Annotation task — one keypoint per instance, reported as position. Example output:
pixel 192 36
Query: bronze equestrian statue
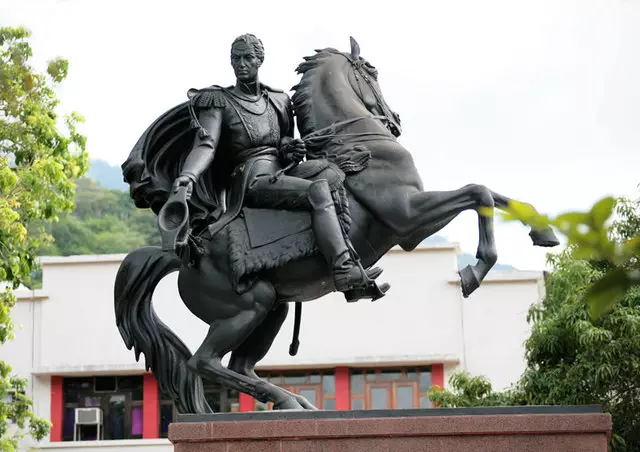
pixel 251 224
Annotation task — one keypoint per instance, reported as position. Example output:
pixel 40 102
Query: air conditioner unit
pixel 88 416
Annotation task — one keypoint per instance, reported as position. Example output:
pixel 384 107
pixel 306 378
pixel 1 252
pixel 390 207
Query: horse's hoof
pixel 468 280
pixel 288 404
pixel 306 405
pixel 544 237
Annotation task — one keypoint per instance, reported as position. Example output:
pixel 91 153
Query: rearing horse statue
pixel 242 278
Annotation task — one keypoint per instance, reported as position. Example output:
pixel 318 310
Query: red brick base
pixel 583 432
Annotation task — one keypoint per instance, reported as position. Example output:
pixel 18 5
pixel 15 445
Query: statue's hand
pixel 183 181
pixel 299 150
pixel 294 150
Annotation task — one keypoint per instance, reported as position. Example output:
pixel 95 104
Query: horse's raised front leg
pixel 255 347
pixel 226 335
pixel 419 215
pixel 540 237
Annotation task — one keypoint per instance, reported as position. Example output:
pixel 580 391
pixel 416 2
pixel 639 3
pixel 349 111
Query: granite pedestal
pixel 499 429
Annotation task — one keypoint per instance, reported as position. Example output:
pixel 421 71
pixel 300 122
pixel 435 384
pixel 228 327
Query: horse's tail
pixel 141 329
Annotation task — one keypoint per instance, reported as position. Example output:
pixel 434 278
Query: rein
pixel 321 133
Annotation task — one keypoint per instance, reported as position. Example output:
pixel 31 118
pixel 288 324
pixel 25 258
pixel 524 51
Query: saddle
pixel 264 239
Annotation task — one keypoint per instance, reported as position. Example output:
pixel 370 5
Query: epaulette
pixel 273 90
pixel 211 96
pixel 281 95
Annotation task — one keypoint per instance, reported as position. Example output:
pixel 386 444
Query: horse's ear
pixel 355 49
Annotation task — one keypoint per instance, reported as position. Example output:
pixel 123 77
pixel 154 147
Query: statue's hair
pixel 254 42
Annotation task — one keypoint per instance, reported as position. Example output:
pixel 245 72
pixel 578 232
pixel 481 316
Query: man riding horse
pixel 238 140
pixel 248 128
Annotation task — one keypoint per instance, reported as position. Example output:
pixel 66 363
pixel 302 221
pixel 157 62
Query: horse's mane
pixel 302 98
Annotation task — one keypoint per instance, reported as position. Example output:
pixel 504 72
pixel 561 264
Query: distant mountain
pixel 106 175
pixel 111 177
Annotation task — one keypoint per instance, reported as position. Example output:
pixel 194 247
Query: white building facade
pixel 364 355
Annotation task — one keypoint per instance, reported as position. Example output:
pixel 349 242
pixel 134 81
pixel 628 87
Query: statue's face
pixel 245 63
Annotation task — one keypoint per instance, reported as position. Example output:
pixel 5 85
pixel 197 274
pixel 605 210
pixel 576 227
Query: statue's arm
pixel 205 144
pixel 291 149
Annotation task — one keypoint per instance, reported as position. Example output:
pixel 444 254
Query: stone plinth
pixel 496 429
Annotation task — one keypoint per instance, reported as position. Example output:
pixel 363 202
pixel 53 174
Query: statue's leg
pixel 227 334
pixel 296 193
pixel 255 347
pixel 421 214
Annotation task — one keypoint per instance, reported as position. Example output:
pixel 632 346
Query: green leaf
pixel 570 221
pixel 602 210
pixel 58 69
pixel 527 214
pixel 486 211
pixel 607 291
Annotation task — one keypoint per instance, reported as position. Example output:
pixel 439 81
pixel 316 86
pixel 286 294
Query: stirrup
pixel 373 291
pixel 346 277
pixel 369 288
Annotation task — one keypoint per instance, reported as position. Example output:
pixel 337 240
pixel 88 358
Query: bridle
pixel 389 119
pixel 392 119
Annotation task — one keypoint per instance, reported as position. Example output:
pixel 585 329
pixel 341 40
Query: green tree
pixel 104 221
pixel 467 390
pixel 39 159
pixel 573 358
pixel 590 236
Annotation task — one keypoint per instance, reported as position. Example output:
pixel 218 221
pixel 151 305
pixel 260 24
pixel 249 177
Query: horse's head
pixel 338 86
pixel 364 80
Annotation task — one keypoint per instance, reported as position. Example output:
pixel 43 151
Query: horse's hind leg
pixel 540 237
pixel 255 347
pixel 225 335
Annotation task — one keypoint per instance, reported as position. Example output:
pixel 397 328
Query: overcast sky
pixel 539 100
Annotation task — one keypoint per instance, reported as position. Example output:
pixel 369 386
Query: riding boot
pixel 331 241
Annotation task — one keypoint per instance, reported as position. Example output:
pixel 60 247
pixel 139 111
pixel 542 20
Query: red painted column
pixel 247 403
pixel 343 388
pixel 437 375
pixel 57 408
pixel 150 408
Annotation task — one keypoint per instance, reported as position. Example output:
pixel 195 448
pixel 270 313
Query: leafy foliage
pixel 38 163
pixel 573 359
pixel 469 391
pixel 590 237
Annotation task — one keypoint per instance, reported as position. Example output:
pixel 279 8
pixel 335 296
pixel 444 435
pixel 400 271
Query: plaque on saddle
pixel 266 226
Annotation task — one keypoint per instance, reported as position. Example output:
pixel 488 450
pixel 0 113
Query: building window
pixel 318 387
pixel 118 397
pixel 220 400
pixel 167 415
pixel 374 389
